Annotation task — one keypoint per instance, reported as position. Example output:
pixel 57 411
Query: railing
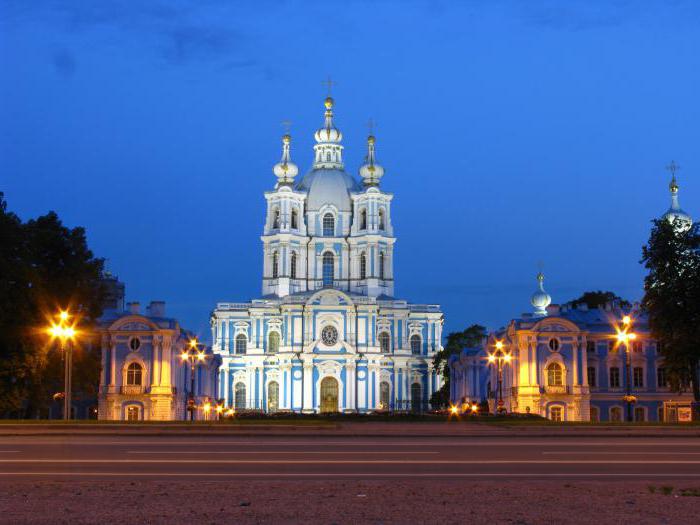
pixel 130 390
pixel 232 306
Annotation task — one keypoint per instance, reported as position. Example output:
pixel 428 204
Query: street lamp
pixel 360 355
pixel 65 333
pixel 500 356
pixel 624 337
pixel 192 354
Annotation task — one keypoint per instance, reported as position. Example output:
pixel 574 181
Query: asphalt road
pixel 112 457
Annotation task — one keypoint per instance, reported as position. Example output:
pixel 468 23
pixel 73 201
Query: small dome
pixel 328 135
pixel 371 172
pixel 328 186
pixel 540 300
pixel 285 170
pixel 684 218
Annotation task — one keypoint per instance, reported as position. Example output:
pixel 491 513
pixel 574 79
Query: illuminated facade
pixel 328 335
pixel 566 362
pixel 143 377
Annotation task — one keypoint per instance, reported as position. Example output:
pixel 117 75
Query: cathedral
pixel 327 334
pixel 571 363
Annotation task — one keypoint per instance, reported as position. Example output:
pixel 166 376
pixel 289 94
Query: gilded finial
pixel 673 168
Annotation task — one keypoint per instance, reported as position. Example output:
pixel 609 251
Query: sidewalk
pixel 350 429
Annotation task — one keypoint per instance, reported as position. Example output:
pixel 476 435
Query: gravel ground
pixel 328 502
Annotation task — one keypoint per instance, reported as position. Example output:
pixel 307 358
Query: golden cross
pixel 329 83
pixel 673 168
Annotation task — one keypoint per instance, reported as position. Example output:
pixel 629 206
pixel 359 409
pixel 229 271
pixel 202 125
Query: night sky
pixel 511 133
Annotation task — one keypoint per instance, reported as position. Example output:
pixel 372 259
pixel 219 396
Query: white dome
pixel 328 135
pixel 540 300
pixel 328 186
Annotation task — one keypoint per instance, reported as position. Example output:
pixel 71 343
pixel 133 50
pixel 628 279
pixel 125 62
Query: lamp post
pixel 65 334
pixel 360 355
pixel 624 337
pixel 499 356
pixel 192 354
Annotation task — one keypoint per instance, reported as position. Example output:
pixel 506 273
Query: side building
pixel 570 363
pixel 144 376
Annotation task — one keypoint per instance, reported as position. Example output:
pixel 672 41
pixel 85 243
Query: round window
pixel 554 344
pixel 329 335
pixel 134 343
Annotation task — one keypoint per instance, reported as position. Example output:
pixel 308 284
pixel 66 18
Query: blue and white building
pixel 567 364
pixel 327 335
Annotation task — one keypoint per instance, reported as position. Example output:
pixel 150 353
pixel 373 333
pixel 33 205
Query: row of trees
pixel 44 267
pixel 671 299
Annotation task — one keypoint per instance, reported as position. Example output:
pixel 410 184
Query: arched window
pixel 554 375
pixel 293 266
pixel 134 374
pixel 239 396
pixel 381 219
pixel 328 225
pixel 241 344
pixel 328 269
pixel 381 265
pixel 384 395
pixel 556 413
pixel 295 219
pixel 273 396
pixel 273 343
pixel 385 342
pixel 276 220
pixel 415 344
pixel 416 398
pixel 275 265
pixel 363 220
pixel 363 266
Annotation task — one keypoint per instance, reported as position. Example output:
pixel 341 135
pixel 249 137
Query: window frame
pixel 382 337
pixel 273 335
pixel 134 370
pixel 236 344
pixel 618 382
pixel 328 224
pixel 412 339
pixel 556 372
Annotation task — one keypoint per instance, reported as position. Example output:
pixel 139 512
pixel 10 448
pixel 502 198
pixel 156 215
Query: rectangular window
pixel 638 376
pixel 592 376
pixel 661 378
pixel 555 413
pixel 614 377
pixel 637 347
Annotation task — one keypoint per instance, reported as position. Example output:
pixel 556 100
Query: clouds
pixel 175 33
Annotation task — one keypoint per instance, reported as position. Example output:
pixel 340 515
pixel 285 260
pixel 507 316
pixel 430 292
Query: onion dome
pixel 370 171
pixel 285 169
pixel 329 152
pixel 675 213
pixel 328 133
pixel 540 300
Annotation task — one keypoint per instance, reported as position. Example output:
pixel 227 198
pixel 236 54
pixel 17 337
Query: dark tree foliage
pixel 456 342
pixel 595 299
pixel 44 267
pixel 672 298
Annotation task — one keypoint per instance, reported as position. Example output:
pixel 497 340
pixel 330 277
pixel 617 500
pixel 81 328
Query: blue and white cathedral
pixel 327 335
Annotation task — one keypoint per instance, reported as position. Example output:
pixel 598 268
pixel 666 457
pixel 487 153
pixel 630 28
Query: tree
pixel 672 298
pixel 596 299
pixel 456 342
pixel 44 266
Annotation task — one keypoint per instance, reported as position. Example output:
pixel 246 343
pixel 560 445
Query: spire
pixel 370 171
pixel 285 169
pixel 540 299
pixel 329 152
pixel 675 211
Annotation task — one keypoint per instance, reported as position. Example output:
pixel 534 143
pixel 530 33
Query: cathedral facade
pixel 327 335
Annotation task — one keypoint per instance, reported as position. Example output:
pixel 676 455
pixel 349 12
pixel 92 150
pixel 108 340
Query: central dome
pixel 328 186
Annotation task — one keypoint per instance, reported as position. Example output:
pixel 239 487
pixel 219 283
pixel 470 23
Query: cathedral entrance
pixel 273 396
pixel 329 394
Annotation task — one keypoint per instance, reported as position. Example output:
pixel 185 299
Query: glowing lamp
pixel 632 336
pixel 219 409
pixel 626 320
pixel 454 409
pixel 193 343
pixel 207 407
pixel 499 345
pixel 63 316
pixel 507 358
pixel 183 356
pixel 492 358
pixel 475 408
pixel 200 356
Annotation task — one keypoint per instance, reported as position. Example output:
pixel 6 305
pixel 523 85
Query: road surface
pixel 342 457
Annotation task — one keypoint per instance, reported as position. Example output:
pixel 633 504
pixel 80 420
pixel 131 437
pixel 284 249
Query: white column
pixel 113 362
pixel 308 387
pixel 576 382
pixel 350 386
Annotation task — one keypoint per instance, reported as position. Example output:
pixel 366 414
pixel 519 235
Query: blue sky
pixel 511 133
